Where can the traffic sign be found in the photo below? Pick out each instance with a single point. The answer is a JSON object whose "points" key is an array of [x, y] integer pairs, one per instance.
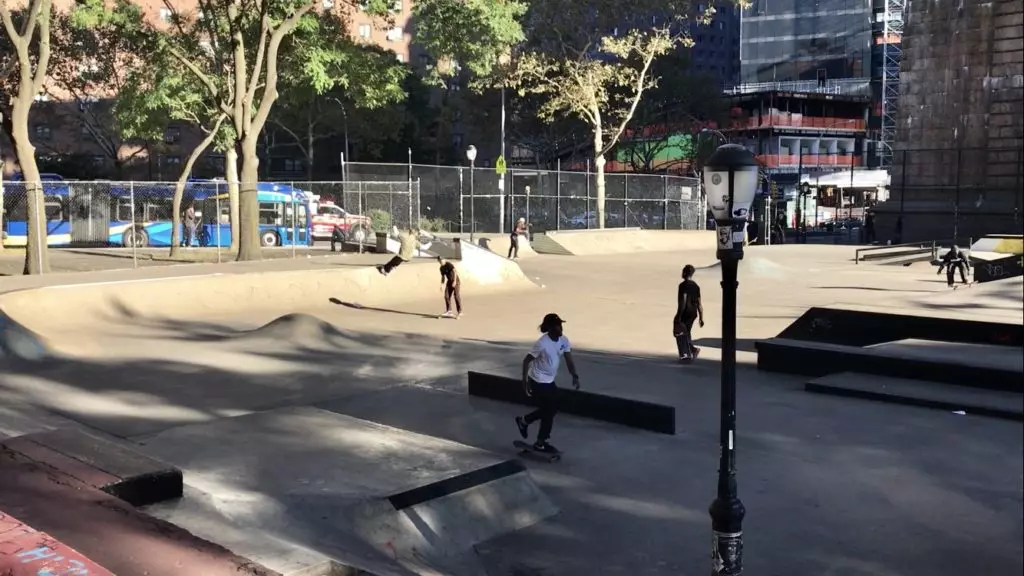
{"points": [[499, 166]]}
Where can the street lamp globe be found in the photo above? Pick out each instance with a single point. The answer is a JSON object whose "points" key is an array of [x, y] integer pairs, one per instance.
{"points": [[730, 180], [471, 153]]}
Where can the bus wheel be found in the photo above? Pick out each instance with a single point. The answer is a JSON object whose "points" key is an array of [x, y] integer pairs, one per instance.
{"points": [[269, 239], [135, 238]]}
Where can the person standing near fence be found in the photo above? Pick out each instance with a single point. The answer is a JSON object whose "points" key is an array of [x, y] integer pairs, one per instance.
{"points": [[688, 309], [406, 250], [451, 285], [521, 228], [190, 225]]}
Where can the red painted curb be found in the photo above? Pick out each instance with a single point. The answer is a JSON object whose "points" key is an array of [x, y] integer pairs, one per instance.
{"points": [[25, 551]]}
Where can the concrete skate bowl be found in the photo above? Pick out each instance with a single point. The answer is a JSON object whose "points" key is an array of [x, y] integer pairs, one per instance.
{"points": [[81, 308], [622, 241]]}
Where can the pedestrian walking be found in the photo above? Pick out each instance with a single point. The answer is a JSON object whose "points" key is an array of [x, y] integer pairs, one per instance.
{"points": [[540, 367], [190, 225], [451, 285], [520, 228], [406, 250], [688, 310]]}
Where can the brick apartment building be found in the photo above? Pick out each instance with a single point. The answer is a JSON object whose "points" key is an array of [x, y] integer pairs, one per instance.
{"points": [[60, 129]]}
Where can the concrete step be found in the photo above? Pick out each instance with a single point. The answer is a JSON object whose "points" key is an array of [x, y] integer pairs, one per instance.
{"points": [[926, 394]]}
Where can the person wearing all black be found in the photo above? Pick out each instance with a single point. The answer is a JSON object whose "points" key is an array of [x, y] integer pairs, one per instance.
{"points": [[519, 229], [688, 310], [451, 284], [953, 261]]}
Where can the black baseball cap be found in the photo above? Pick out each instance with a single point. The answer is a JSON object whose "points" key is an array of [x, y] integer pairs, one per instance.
{"points": [[552, 318]]}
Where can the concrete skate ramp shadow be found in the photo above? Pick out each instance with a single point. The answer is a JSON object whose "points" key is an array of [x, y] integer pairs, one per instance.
{"points": [[83, 307], [18, 342], [357, 306]]}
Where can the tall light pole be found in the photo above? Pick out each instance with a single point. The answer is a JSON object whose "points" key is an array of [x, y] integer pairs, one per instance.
{"points": [[501, 177], [730, 178], [471, 155]]}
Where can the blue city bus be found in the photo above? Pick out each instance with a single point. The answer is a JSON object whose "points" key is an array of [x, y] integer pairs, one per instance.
{"points": [[285, 217], [101, 213]]}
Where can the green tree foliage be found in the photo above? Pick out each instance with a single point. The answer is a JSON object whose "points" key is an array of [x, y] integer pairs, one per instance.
{"points": [[327, 79], [593, 60], [25, 53]]}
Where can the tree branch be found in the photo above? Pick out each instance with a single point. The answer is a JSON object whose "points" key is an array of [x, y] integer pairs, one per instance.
{"points": [[270, 92], [293, 134], [43, 60], [261, 50], [638, 88]]}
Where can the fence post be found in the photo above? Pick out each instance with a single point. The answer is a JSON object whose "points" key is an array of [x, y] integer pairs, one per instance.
{"points": [[216, 196], [558, 194], [419, 203], [462, 210], [511, 200], [391, 203], [135, 233], [295, 230], [664, 206], [956, 207], [359, 203]]}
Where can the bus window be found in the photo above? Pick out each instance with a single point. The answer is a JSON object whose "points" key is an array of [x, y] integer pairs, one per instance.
{"points": [[17, 208], [124, 210], [54, 208], [157, 211], [270, 213]]}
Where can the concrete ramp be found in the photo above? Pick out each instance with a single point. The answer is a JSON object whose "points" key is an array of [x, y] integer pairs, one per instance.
{"points": [[999, 244], [501, 244], [64, 308], [309, 487], [622, 241]]}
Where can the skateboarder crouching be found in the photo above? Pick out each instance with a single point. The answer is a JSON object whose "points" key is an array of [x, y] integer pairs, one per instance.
{"points": [[540, 367], [954, 261], [451, 284], [407, 249]]}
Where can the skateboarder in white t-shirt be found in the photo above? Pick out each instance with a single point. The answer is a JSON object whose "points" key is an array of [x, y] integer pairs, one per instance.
{"points": [[540, 367]]}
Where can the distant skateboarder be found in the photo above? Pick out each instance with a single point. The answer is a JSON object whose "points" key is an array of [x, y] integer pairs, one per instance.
{"points": [[406, 250], [451, 284], [540, 367], [520, 229], [688, 309], [953, 261]]}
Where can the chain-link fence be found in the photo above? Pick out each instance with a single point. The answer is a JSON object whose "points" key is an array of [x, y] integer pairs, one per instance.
{"points": [[457, 198], [953, 194]]}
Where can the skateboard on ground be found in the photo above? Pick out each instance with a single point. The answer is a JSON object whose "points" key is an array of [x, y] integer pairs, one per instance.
{"points": [[525, 448]]}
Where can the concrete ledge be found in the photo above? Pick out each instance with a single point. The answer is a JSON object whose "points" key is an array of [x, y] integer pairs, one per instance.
{"points": [[449, 486], [821, 359], [863, 328], [1005, 405], [107, 465], [626, 412]]}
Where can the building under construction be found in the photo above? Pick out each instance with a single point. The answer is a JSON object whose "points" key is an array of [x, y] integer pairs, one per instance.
{"points": [[957, 159]]}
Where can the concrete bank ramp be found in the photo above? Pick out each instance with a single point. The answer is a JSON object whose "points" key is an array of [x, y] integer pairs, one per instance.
{"points": [[999, 244], [65, 308], [622, 241], [300, 488]]}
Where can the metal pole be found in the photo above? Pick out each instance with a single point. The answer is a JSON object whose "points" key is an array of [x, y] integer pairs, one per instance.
{"points": [[511, 200], [343, 176], [216, 196], [527, 190], [462, 208], [586, 216], [727, 510], [410, 192], [956, 207], [903, 197], [664, 193], [295, 230], [135, 233], [501, 177], [558, 194], [472, 201], [359, 201], [419, 203]]}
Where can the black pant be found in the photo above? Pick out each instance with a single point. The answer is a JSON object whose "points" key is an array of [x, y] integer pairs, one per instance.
{"points": [[337, 238], [952, 268], [451, 290], [513, 248], [545, 397], [190, 234], [393, 263]]}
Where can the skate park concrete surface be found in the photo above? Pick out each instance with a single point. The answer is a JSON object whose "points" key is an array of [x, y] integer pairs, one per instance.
{"points": [[291, 416]]}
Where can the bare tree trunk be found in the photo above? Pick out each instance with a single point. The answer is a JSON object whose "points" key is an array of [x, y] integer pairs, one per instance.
{"points": [[599, 163], [179, 187], [248, 205], [37, 260], [231, 175]]}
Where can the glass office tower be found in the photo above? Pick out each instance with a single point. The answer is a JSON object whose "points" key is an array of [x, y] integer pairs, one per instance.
{"points": [[789, 40]]}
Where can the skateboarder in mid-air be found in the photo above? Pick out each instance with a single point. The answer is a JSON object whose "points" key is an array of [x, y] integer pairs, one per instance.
{"points": [[407, 249], [451, 284], [952, 261], [539, 370]]}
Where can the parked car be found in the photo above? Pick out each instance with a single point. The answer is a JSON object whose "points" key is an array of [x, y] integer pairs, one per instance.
{"points": [[330, 217]]}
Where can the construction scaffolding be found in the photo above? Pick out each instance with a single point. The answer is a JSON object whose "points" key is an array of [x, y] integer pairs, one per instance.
{"points": [[892, 54]]}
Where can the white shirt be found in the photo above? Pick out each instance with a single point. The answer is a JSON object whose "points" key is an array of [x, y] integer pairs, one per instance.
{"points": [[547, 355]]}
